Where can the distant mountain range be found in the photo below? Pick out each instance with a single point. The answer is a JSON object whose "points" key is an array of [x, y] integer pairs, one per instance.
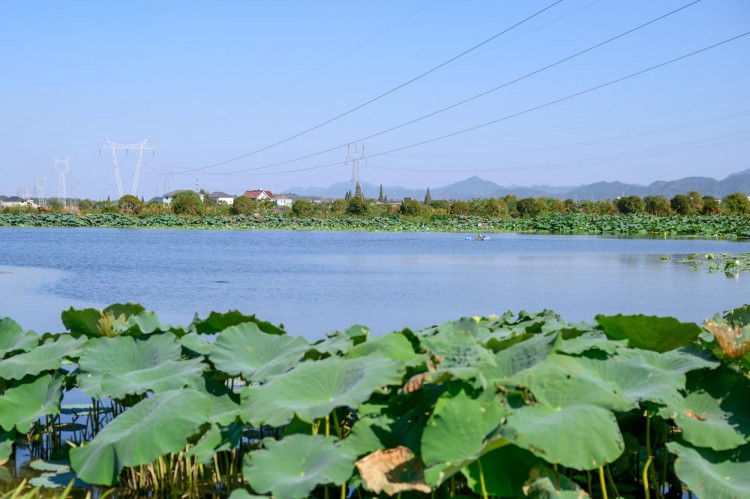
{"points": [[475, 187]]}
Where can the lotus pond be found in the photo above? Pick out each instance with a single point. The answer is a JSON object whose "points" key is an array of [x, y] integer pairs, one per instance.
{"points": [[526, 405]]}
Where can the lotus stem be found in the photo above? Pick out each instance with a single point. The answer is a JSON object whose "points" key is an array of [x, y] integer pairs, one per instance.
{"points": [[343, 491], [328, 426], [602, 482], [646, 492], [612, 482], [588, 474], [481, 479]]}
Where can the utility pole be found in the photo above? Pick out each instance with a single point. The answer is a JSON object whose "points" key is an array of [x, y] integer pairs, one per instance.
{"points": [[62, 167], [140, 147], [166, 172], [355, 157]]}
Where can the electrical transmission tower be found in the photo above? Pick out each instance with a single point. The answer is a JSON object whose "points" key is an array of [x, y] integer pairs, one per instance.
{"points": [[355, 157], [41, 183], [62, 167], [166, 172], [140, 147]]}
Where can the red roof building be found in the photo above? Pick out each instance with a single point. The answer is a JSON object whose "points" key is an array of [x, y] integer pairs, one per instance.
{"points": [[259, 195]]}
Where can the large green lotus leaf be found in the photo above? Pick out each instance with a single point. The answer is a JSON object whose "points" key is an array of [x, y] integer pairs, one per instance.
{"points": [[458, 354], [718, 475], [24, 403], [245, 349], [216, 439], [505, 469], [115, 367], [217, 322], [196, 343], [580, 436], [594, 340], [224, 402], [392, 346], [715, 412], [244, 494], [294, 466], [88, 321], [479, 329], [548, 485], [7, 438], [155, 426], [14, 339], [457, 432], [48, 356], [520, 356], [338, 343], [659, 334], [313, 389]]}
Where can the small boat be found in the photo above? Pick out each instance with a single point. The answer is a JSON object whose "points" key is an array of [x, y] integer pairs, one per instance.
{"points": [[478, 237]]}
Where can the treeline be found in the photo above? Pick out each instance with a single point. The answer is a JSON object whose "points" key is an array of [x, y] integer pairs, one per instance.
{"points": [[190, 203]]}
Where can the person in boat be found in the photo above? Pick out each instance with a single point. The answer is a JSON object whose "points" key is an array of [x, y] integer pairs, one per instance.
{"points": [[480, 237]]}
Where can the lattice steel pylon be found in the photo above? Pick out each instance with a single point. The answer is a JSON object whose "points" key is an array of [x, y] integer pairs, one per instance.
{"points": [[62, 167], [41, 183], [140, 147], [355, 157]]}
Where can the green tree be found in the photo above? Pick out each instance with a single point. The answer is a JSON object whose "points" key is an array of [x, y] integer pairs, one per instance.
{"points": [[187, 203], [711, 206], [242, 205], [630, 204], [570, 206], [86, 204], [357, 206], [411, 208], [695, 200], [129, 205], [338, 206], [427, 197], [358, 191], [736, 204], [680, 204], [459, 208], [440, 204], [207, 199], [302, 208], [381, 198], [657, 205], [529, 207]]}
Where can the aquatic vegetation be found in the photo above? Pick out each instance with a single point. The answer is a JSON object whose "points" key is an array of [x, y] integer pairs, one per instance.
{"points": [[703, 226], [731, 265], [525, 405]]}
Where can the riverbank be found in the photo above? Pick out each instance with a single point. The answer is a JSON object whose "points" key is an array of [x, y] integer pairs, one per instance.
{"points": [[700, 226]]}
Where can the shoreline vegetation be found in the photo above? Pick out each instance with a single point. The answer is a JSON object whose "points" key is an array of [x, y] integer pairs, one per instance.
{"points": [[701, 226], [518, 405]]}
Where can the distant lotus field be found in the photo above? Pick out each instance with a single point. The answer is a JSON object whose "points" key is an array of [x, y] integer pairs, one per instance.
{"points": [[518, 405], [703, 226]]}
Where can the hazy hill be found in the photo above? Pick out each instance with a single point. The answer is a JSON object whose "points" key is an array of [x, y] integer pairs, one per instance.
{"points": [[476, 187]]}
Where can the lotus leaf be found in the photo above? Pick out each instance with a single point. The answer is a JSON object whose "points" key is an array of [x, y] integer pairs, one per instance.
{"points": [[294, 466], [196, 343], [95, 323], [458, 354], [14, 339], [58, 475], [659, 334], [714, 474], [216, 439], [505, 469], [393, 471], [314, 388], [551, 432], [715, 412], [245, 349], [152, 428], [25, 402], [393, 346], [120, 366], [338, 342], [217, 322], [520, 356], [46, 357], [591, 341], [458, 432], [548, 485], [244, 494], [7, 439]]}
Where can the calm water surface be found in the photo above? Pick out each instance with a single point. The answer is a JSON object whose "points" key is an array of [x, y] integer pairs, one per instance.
{"points": [[316, 282]]}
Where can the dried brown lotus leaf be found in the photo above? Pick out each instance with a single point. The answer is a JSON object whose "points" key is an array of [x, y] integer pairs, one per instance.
{"points": [[393, 471]]}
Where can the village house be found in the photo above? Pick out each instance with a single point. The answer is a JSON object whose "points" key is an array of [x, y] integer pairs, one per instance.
{"points": [[222, 197], [17, 201]]}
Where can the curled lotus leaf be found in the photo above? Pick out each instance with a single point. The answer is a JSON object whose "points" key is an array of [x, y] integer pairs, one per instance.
{"points": [[124, 365], [48, 356], [14, 339], [154, 427], [246, 350], [715, 474], [218, 321], [393, 471], [734, 340], [26, 401], [294, 466], [314, 388]]}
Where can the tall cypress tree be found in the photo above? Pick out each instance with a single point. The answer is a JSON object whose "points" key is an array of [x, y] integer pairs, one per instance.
{"points": [[358, 191], [380, 197], [427, 197]]}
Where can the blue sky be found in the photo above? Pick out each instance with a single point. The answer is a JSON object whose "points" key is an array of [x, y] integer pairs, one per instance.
{"points": [[208, 82]]}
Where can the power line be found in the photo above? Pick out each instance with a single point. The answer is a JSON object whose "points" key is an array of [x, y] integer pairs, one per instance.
{"points": [[510, 116], [380, 96], [470, 99], [303, 77]]}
